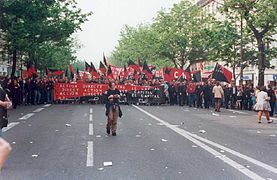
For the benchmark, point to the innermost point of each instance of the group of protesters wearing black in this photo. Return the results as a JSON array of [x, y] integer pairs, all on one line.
[[202, 95], [29, 91], [40, 90]]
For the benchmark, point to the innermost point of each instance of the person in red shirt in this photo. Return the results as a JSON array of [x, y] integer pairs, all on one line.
[[191, 94]]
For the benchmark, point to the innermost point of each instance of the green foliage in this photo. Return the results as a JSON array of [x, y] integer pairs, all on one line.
[[261, 20], [41, 29]]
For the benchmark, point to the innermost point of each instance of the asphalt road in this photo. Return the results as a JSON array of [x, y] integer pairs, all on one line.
[[64, 142]]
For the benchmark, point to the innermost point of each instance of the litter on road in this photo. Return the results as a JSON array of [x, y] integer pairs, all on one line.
[[68, 125], [202, 131], [107, 164]]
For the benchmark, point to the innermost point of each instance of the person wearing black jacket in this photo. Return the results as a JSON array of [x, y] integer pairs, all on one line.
[[113, 110], [5, 104], [182, 91], [227, 96], [15, 92], [199, 96], [272, 100], [207, 91]]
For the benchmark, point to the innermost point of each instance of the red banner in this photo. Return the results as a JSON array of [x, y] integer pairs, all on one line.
[[73, 90]]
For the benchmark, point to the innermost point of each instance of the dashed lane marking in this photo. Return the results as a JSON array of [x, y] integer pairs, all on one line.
[[196, 139], [38, 110], [47, 105], [91, 129], [90, 117], [90, 154], [10, 125], [27, 116], [91, 111]]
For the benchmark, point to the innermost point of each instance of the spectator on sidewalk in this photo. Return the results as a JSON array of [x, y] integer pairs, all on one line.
[[218, 95], [271, 95], [262, 105]]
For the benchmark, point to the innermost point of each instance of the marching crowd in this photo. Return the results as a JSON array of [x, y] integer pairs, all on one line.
[[40, 90]]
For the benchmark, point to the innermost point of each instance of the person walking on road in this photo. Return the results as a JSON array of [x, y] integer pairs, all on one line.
[[272, 100], [218, 95], [262, 105], [113, 110]]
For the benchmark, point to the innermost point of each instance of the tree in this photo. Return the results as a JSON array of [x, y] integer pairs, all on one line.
[[182, 34], [261, 18], [31, 24]]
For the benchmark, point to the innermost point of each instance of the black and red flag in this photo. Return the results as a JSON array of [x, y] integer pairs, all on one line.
[[71, 71], [93, 71], [139, 64], [105, 60], [125, 72], [167, 76], [222, 74], [78, 74], [56, 72], [47, 72], [102, 68], [87, 67], [197, 76], [135, 75], [110, 73], [66, 73], [31, 71], [147, 71], [133, 65]]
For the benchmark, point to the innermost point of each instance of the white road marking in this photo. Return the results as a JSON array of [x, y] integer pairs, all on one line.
[[90, 111], [90, 154], [47, 105], [27, 116], [10, 125], [193, 138], [90, 117], [91, 129], [38, 110], [239, 112]]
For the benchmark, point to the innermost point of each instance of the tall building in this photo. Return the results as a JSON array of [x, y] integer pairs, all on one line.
[[250, 74]]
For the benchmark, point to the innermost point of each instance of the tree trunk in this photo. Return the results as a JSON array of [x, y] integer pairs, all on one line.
[[261, 58], [234, 73], [14, 59]]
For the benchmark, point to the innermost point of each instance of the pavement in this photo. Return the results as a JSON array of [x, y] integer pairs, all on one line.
[[64, 142]]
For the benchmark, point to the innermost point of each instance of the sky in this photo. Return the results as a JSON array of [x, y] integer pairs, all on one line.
[[101, 33]]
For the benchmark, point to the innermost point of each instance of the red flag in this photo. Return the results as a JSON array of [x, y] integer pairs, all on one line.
[[71, 71], [85, 76], [32, 71]]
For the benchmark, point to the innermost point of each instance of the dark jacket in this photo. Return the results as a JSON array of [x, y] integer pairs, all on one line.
[[3, 111]]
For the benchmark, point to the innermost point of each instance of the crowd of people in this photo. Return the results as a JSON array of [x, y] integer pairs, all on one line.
[[40, 90]]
